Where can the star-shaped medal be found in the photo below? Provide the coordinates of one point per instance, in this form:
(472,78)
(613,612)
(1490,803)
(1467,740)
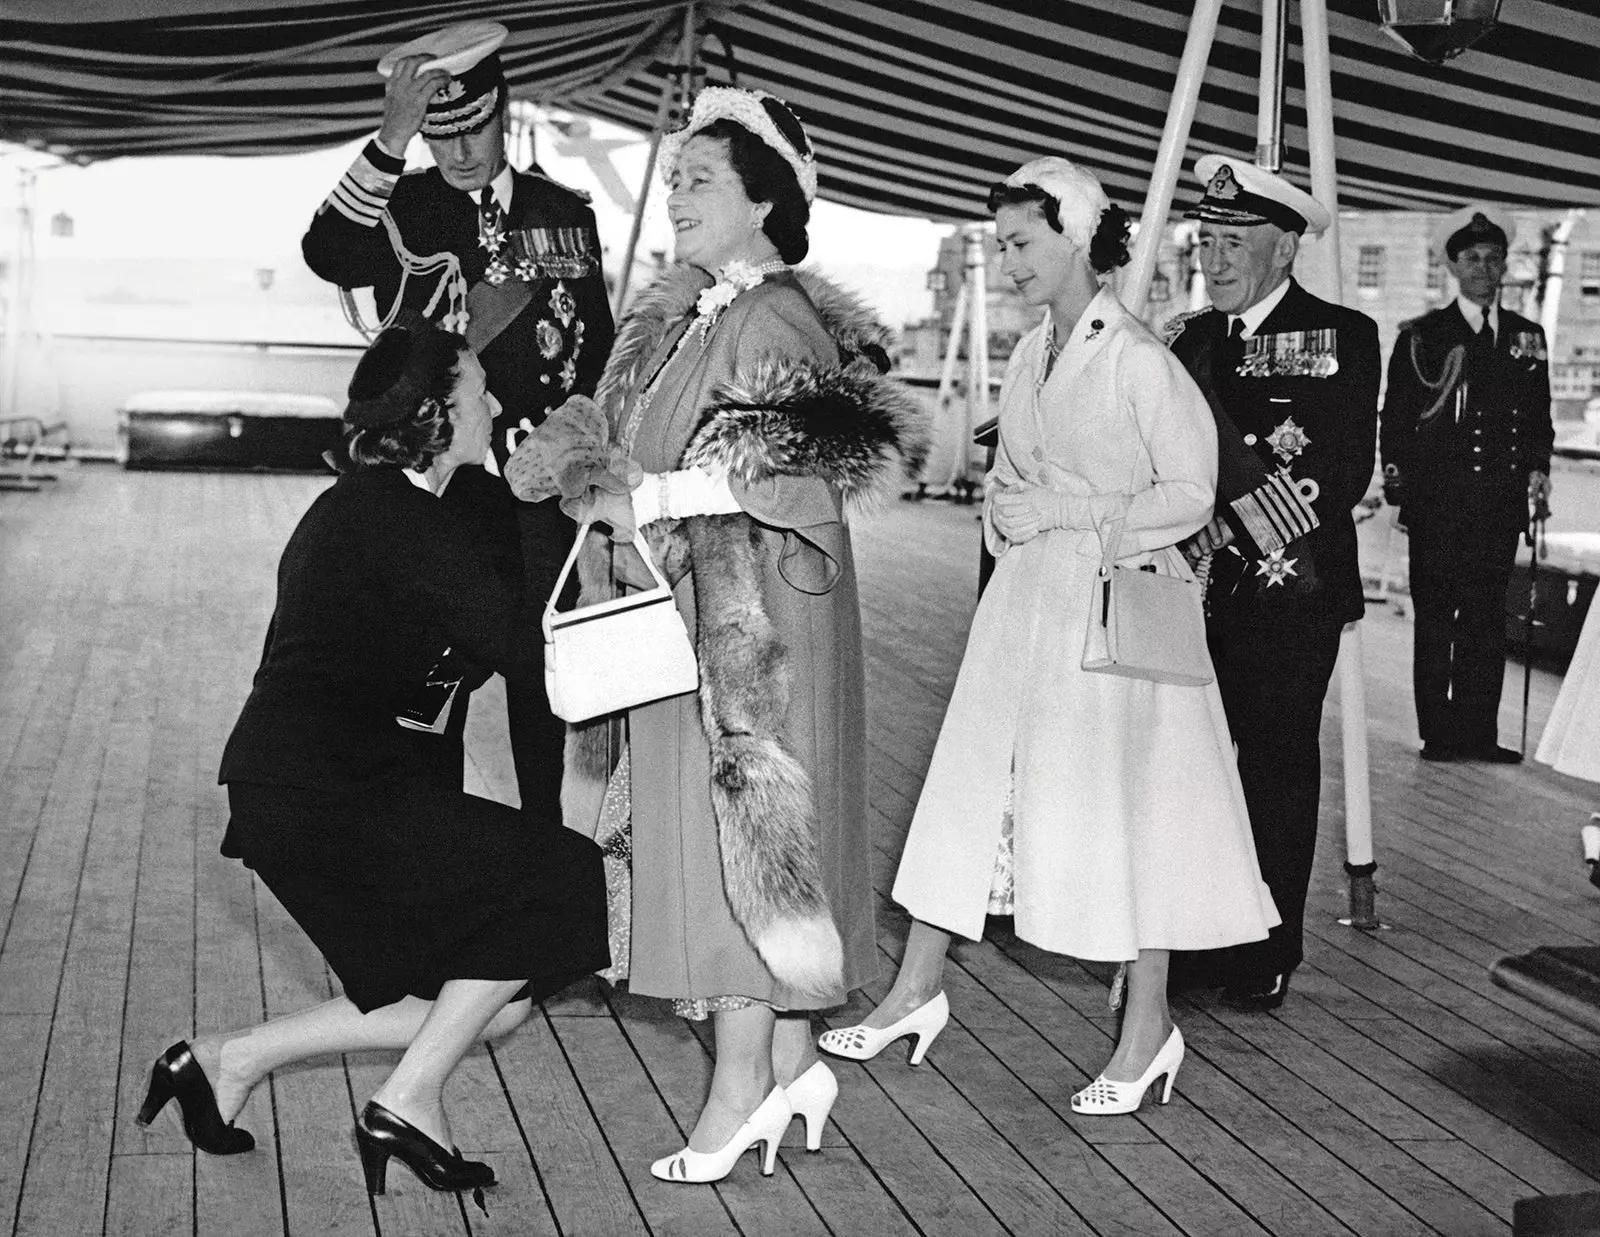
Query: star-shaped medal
(491,235)
(1276,568)
(1288,440)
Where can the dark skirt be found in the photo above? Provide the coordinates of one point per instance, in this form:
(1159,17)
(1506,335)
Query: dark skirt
(407,885)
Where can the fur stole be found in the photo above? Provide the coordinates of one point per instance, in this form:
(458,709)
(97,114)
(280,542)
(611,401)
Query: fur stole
(857,430)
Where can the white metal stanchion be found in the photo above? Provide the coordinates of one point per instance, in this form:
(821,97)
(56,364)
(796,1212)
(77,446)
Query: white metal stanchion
(1169,156)
(975,261)
(1269,87)
(942,412)
(689,52)
(18,305)
(1359,864)
(1550,307)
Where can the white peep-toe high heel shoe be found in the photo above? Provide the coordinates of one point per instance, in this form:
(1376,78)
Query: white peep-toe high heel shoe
(811,1096)
(862,1043)
(765,1126)
(1105,1097)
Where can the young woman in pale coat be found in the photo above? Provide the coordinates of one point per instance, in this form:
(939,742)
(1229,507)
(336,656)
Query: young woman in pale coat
(1126,834)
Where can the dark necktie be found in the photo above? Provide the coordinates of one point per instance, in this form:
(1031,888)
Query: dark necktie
(1233,347)
(1486,334)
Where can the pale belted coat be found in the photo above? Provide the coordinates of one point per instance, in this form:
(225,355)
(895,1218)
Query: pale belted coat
(1130,825)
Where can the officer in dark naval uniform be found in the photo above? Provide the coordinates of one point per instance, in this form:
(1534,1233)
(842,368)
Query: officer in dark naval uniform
(1466,447)
(1293,381)
(511,260)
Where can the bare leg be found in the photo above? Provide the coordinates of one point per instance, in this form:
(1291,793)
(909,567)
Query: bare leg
(741,1078)
(794,1047)
(235,1061)
(919,979)
(1146,1020)
(458,1019)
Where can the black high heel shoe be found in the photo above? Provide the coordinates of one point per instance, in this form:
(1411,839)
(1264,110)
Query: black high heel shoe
(177,1075)
(380,1134)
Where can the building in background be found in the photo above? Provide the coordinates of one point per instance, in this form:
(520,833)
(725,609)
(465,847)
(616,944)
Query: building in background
(1388,274)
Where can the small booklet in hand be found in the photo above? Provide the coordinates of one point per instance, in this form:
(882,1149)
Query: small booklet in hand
(428,708)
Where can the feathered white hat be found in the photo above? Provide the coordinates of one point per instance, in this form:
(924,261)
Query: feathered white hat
(1078,194)
(752,109)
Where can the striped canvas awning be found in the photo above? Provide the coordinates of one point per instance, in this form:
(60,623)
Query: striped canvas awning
(915,106)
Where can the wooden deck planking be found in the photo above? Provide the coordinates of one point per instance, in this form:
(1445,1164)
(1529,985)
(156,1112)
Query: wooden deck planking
(1397,1091)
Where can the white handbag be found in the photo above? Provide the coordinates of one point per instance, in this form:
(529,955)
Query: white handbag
(615,654)
(1143,625)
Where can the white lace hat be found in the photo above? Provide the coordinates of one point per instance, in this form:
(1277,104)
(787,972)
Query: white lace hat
(753,110)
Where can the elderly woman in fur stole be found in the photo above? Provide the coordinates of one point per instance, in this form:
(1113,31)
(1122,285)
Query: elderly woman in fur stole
(753,400)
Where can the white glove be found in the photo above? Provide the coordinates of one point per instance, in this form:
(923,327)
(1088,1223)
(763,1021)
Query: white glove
(1022,511)
(686,492)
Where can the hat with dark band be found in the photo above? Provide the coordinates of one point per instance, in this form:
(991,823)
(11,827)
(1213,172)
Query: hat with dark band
(1476,224)
(387,388)
(1239,194)
(477,85)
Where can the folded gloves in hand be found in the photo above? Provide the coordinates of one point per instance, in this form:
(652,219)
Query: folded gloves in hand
(1022,511)
(571,455)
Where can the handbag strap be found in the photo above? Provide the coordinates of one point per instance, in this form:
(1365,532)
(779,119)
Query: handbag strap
(639,544)
(1110,544)
(1112,541)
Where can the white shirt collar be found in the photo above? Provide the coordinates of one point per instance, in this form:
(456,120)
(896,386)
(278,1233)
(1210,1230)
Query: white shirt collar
(417,479)
(1473,313)
(501,185)
(1257,313)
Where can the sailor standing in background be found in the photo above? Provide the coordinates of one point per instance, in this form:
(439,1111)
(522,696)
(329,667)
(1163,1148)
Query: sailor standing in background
(1293,381)
(511,260)
(1466,447)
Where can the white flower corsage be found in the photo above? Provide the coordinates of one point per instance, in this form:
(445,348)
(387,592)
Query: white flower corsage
(737,277)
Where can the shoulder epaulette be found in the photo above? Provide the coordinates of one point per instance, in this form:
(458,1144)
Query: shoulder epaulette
(583,195)
(1173,327)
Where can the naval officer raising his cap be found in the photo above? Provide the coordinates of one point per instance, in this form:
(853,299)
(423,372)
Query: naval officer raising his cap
(1466,447)
(1294,383)
(509,259)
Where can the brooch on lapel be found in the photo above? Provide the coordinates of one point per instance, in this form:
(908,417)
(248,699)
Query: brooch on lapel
(1528,346)
(1292,354)
(737,277)
(1095,328)
(1288,440)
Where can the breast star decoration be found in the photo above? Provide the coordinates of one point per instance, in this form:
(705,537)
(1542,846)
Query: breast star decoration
(1288,440)
(1277,568)
(549,337)
(562,303)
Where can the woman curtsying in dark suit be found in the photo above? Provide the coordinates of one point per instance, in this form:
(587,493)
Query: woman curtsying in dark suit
(445,916)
